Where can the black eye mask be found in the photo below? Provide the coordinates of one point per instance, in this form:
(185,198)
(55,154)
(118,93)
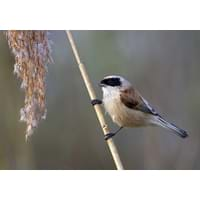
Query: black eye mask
(111,82)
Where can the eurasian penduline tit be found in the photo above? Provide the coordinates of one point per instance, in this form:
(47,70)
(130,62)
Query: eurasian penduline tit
(128,108)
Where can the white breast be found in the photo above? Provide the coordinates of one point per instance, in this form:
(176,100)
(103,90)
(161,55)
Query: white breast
(120,114)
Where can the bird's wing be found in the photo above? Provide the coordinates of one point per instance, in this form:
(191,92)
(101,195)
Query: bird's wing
(133,100)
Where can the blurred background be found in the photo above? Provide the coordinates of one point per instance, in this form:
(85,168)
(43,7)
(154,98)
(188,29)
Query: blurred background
(163,65)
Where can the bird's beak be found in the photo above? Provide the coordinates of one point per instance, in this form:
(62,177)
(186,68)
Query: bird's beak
(101,84)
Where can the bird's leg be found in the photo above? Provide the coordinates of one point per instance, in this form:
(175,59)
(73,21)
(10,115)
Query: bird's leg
(110,135)
(96,101)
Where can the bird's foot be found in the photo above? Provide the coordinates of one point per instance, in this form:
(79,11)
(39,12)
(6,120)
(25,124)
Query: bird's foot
(96,101)
(109,135)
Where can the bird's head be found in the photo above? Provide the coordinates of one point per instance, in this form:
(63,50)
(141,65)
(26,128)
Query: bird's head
(113,83)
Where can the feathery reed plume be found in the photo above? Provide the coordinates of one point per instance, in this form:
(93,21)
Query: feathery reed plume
(32,53)
(99,113)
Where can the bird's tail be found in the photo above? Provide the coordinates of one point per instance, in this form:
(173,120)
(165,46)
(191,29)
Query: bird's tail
(178,131)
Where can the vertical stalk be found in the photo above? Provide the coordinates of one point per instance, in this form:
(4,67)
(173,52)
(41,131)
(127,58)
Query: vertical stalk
(99,113)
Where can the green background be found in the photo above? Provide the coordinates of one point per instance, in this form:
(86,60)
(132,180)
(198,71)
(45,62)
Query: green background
(163,65)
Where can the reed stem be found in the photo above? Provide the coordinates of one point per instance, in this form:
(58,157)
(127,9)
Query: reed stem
(99,113)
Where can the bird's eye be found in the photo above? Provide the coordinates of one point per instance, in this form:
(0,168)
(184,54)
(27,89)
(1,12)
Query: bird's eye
(111,82)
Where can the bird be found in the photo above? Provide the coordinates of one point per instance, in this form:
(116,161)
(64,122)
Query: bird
(127,107)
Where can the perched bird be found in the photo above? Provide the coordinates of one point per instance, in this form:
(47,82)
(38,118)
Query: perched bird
(128,108)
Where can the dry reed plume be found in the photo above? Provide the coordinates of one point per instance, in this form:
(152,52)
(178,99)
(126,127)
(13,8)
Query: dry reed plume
(32,54)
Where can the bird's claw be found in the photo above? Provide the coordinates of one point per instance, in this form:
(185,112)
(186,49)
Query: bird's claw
(108,136)
(96,101)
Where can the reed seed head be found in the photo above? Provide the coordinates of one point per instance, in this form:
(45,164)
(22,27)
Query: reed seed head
(32,52)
